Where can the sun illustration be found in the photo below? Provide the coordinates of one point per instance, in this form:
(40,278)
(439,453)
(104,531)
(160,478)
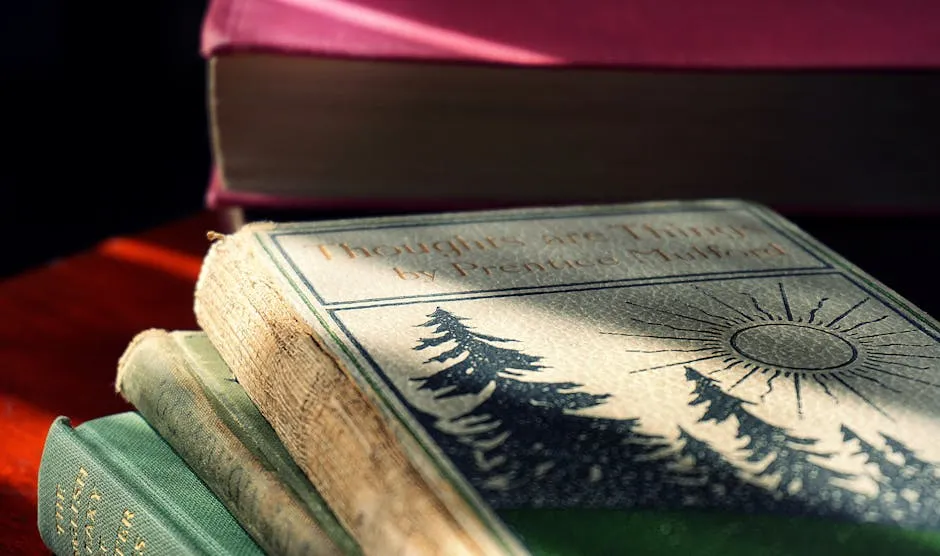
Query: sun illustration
(843,347)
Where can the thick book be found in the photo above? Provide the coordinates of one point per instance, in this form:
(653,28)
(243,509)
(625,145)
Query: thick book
(113,486)
(423,103)
(178,382)
(507,381)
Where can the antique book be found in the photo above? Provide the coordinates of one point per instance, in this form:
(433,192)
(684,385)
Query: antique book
(301,94)
(178,382)
(113,486)
(490,382)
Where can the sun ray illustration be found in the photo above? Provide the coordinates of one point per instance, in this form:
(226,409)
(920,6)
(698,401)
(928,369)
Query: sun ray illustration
(898,363)
(743,378)
(670,350)
(656,337)
(905,377)
(861,396)
(680,315)
(678,363)
(785,300)
(867,322)
(895,345)
(728,367)
(724,303)
(849,311)
(841,347)
(757,306)
(873,379)
(799,397)
(820,380)
(814,310)
(770,384)
(677,328)
(717,317)
(885,334)
(905,355)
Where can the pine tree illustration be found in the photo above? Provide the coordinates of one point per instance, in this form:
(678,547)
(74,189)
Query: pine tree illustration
(527,437)
(720,483)
(908,487)
(886,502)
(913,469)
(715,475)
(483,361)
(792,460)
(920,484)
(889,472)
(708,391)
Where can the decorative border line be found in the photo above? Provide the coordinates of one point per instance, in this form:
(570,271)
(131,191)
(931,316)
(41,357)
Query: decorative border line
(592,286)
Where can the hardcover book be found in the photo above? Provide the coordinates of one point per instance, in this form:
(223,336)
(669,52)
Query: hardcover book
(478,373)
(178,382)
(612,93)
(113,486)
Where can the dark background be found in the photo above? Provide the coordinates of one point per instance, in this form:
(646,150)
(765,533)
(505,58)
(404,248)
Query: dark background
(105,133)
(104,122)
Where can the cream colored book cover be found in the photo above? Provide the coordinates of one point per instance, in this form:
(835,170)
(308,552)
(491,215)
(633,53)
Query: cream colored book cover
(683,355)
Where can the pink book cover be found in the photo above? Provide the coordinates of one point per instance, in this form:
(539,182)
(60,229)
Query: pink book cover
(688,34)
(641,34)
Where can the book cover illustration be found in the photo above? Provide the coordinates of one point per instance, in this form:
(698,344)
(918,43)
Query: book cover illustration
(765,376)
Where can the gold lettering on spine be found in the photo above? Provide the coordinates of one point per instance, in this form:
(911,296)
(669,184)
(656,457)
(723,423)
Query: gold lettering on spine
(127,521)
(75,505)
(91,516)
(59,510)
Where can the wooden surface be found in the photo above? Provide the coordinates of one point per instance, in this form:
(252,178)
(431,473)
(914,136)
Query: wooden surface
(62,330)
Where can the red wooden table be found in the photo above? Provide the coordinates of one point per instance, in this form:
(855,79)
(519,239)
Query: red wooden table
(62,330)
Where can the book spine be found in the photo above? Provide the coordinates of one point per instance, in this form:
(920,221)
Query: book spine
(153,375)
(87,505)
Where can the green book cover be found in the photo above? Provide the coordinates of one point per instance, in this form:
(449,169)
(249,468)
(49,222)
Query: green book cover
(587,379)
(187,393)
(113,486)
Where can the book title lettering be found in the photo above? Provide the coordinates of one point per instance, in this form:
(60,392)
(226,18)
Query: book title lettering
(616,244)
(82,511)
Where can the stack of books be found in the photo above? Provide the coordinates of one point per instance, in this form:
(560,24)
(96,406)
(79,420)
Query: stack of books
(691,376)
(696,376)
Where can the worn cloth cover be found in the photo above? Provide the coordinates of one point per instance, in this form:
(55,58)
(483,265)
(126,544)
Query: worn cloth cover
(114,483)
(572,371)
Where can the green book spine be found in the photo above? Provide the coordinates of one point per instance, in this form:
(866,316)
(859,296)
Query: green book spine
(113,486)
(182,387)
